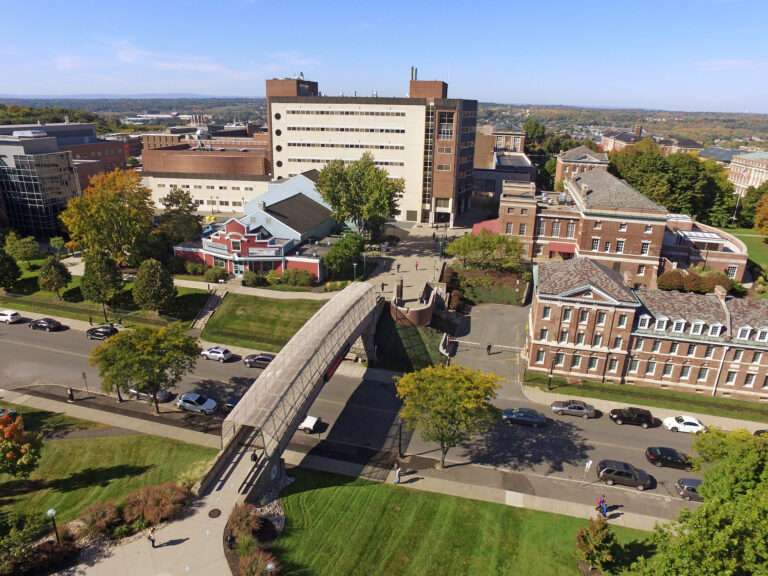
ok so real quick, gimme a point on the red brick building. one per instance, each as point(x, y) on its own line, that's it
point(578, 160)
point(586, 323)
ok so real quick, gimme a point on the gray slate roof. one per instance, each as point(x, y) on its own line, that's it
point(312, 175)
point(299, 213)
point(687, 305)
point(583, 153)
point(558, 278)
point(607, 191)
point(747, 312)
point(719, 154)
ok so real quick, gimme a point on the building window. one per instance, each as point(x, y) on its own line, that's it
point(650, 368)
point(541, 227)
point(235, 245)
point(702, 375)
point(522, 230)
point(679, 326)
point(510, 228)
point(667, 370)
point(685, 371)
point(597, 340)
point(223, 202)
point(601, 318)
point(656, 346)
point(731, 378)
point(583, 316)
point(523, 211)
point(613, 365)
point(737, 354)
point(575, 361)
point(744, 333)
point(709, 352)
point(756, 357)
point(537, 250)
point(633, 365)
point(661, 324)
point(595, 244)
point(445, 126)
point(543, 334)
point(691, 349)
point(443, 167)
point(546, 313)
point(580, 339)
point(607, 246)
point(619, 246)
point(592, 363)
point(639, 344)
point(697, 328)
point(570, 230)
point(762, 335)
point(622, 320)
point(563, 336)
point(714, 330)
point(731, 272)
point(559, 359)
point(617, 342)
point(641, 270)
point(645, 247)
point(673, 347)
point(539, 356)
point(648, 229)
point(555, 228)
point(623, 227)
point(566, 315)
point(749, 381)
point(598, 225)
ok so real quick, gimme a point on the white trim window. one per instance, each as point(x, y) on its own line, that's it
point(667, 371)
point(749, 380)
point(737, 354)
point(679, 326)
point(643, 322)
point(576, 361)
point(762, 334)
point(539, 356)
point(685, 372)
point(702, 375)
point(661, 323)
point(546, 313)
point(650, 368)
point(715, 329)
point(622, 320)
point(613, 365)
point(697, 328)
point(592, 363)
point(744, 332)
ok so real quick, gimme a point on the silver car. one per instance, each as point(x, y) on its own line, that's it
point(197, 403)
point(10, 316)
point(217, 353)
point(574, 408)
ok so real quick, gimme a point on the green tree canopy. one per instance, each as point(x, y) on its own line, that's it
point(344, 253)
point(448, 404)
point(749, 204)
point(487, 250)
point(19, 450)
point(534, 132)
point(101, 280)
point(179, 221)
point(57, 243)
point(761, 216)
point(53, 275)
point(10, 273)
point(360, 192)
point(21, 248)
point(152, 359)
point(111, 215)
point(153, 288)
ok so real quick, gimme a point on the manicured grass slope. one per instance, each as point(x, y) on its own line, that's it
point(756, 247)
point(259, 323)
point(340, 526)
point(406, 348)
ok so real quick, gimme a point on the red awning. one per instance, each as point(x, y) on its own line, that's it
point(562, 247)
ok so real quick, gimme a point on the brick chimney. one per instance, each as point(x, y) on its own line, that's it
point(628, 279)
point(721, 293)
point(638, 130)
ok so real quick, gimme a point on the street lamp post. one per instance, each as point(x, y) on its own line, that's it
point(51, 513)
point(400, 438)
point(354, 266)
point(363, 265)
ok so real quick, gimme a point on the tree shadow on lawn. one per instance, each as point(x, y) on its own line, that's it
point(95, 477)
point(26, 286)
point(74, 294)
point(520, 447)
point(625, 554)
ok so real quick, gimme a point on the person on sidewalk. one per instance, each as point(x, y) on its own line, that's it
point(398, 267)
point(382, 286)
point(120, 322)
point(397, 473)
point(90, 320)
point(151, 535)
point(602, 507)
point(488, 349)
point(417, 266)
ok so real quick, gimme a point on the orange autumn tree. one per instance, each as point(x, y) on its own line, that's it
point(19, 451)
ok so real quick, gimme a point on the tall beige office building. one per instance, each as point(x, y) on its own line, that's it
point(427, 139)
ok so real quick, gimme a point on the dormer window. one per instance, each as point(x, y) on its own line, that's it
point(744, 333)
point(697, 328)
point(762, 334)
point(715, 329)
point(661, 324)
point(643, 322)
point(679, 326)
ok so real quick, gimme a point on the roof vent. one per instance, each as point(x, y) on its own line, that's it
point(262, 205)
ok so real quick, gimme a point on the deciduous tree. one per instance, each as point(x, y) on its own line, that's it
point(761, 216)
point(596, 543)
point(101, 280)
point(21, 248)
point(152, 359)
point(748, 204)
point(58, 244)
point(534, 132)
point(19, 450)
point(10, 273)
point(113, 212)
point(179, 221)
point(344, 253)
point(360, 192)
point(53, 275)
point(487, 250)
point(153, 288)
point(448, 404)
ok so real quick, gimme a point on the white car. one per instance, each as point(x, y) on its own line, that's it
point(196, 403)
point(9, 316)
point(217, 353)
point(684, 423)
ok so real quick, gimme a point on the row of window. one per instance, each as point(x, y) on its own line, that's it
point(200, 202)
point(344, 129)
point(207, 187)
point(598, 225)
point(363, 146)
point(546, 314)
point(697, 328)
point(597, 339)
point(645, 247)
point(709, 351)
point(327, 160)
point(541, 228)
point(347, 112)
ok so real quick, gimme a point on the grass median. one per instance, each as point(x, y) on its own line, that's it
point(680, 401)
point(258, 323)
point(338, 525)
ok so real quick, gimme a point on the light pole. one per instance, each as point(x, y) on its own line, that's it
point(363, 264)
point(400, 437)
point(354, 266)
point(51, 513)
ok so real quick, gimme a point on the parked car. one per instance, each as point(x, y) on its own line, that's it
point(217, 353)
point(525, 416)
point(197, 403)
point(229, 404)
point(615, 472)
point(12, 413)
point(162, 395)
point(258, 360)
point(688, 488)
point(760, 433)
point(684, 423)
point(100, 332)
point(46, 324)
point(636, 416)
point(574, 408)
point(670, 457)
point(10, 316)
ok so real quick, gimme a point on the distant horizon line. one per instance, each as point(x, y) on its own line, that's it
point(189, 95)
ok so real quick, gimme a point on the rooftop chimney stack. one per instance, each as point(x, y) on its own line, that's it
point(638, 130)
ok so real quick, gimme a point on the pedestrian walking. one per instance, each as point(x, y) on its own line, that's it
point(90, 320)
point(417, 266)
point(398, 267)
point(602, 507)
point(433, 235)
point(488, 349)
point(382, 286)
point(120, 322)
point(397, 473)
point(151, 535)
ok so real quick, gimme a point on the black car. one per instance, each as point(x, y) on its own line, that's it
point(660, 456)
point(100, 332)
point(636, 416)
point(615, 472)
point(524, 416)
point(760, 433)
point(258, 360)
point(46, 324)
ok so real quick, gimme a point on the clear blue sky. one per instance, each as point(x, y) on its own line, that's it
point(675, 54)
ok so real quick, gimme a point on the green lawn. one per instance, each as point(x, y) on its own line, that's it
point(682, 401)
point(74, 473)
point(756, 246)
point(27, 296)
point(340, 526)
point(406, 348)
point(258, 323)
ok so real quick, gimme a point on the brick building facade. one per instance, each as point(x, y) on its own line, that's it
point(586, 323)
point(748, 170)
point(578, 160)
